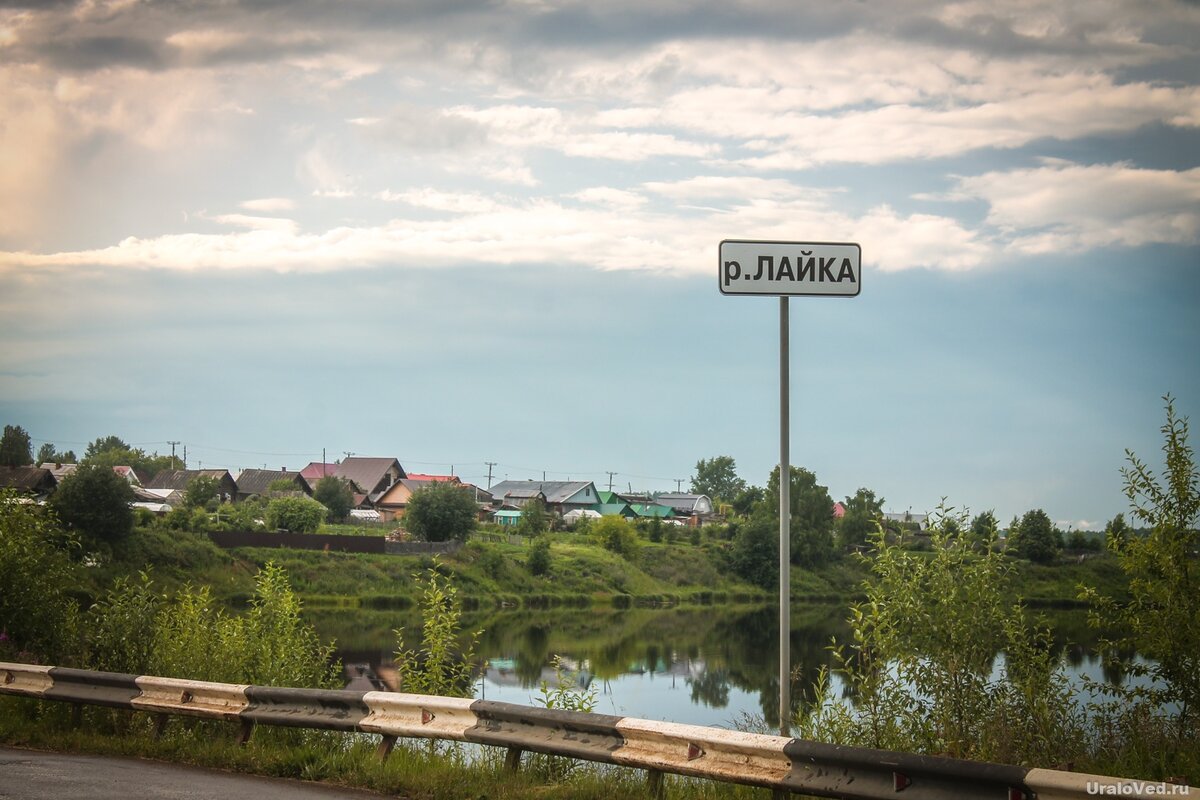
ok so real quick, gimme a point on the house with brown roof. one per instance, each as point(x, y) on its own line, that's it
point(178, 480)
point(257, 482)
point(392, 504)
point(34, 482)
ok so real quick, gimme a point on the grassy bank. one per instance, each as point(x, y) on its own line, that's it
point(494, 574)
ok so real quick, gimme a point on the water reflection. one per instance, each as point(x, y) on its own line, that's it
point(708, 665)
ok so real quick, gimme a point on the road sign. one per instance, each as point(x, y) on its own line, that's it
point(787, 269)
point(795, 269)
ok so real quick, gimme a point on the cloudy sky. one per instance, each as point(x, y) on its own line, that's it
point(461, 232)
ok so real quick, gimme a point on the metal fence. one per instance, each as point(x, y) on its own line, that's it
point(775, 762)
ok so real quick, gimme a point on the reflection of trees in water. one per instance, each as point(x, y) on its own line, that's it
point(711, 688)
point(714, 650)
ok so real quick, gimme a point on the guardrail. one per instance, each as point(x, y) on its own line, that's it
point(776, 762)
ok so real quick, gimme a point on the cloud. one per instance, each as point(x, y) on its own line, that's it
point(269, 204)
point(1062, 206)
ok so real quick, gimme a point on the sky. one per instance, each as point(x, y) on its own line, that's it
point(457, 232)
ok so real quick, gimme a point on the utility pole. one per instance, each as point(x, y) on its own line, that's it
point(185, 456)
point(490, 464)
point(348, 453)
point(678, 484)
point(173, 453)
point(610, 477)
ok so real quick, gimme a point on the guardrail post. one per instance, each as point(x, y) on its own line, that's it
point(76, 715)
point(512, 759)
point(160, 725)
point(654, 784)
point(386, 744)
point(247, 730)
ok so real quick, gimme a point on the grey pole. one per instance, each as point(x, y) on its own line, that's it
point(785, 527)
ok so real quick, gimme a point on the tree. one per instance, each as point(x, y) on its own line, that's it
point(200, 491)
point(1116, 533)
point(984, 527)
point(534, 519)
point(38, 616)
point(95, 501)
point(1159, 621)
point(717, 477)
point(48, 454)
point(105, 444)
point(1035, 538)
point(16, 450)
point(615, 535)
point(746, 499)
point(754, 555)
point(441, 512)
point(539, 556)
point(811, 516)
point(336, 495)
point(296, 514)
point(863, 511)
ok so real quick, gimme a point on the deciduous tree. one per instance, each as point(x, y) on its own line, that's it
point(95, 501)
point(440, 512)
point(336, 495)
point(717, 477)
point(16, 450)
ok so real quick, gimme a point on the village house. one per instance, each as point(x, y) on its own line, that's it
point(257, 483)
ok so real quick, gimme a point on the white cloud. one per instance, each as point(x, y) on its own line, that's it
point(456, 202)
point(269, 204)
point(1061, 206)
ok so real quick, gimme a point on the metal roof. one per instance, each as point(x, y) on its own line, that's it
point(555, 491)
point(258, 481)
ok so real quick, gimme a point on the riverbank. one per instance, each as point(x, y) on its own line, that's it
point(494, 574)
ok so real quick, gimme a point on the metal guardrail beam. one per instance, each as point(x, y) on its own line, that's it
point(775, 762)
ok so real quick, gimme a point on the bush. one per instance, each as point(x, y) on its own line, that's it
point(335, 494)
point(297, 514)
point(38, 618)
point(95, 501)
point(539, 556)
point(441, 666)
point(615, 535)
point(441, 512)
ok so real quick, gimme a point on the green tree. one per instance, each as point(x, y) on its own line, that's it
point(38, 617)
point(48, 454)
point(200, 491)
point(1160, 619)
point(1035, 538)
point(16, 450)
point(1116, 533)
point(717, 477)
point(539, 556)
point(336, 495)
point(112, 451)
point(984, 527)
point(296, 514)
point(811, 516)
point(534, 519)
point(754, 554)
point(105, 444)
point(616, 535)
point(746, 500)
point(441, 512)
point(863, 512)
point(95, 502)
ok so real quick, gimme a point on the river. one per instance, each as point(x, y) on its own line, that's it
point(699, 665)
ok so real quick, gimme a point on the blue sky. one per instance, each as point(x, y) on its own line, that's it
point(471, 232)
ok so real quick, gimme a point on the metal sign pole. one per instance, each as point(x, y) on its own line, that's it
point(785, 528)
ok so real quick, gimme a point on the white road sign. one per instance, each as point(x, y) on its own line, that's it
point(825, 269)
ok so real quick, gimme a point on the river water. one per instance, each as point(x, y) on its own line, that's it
point(700, 665)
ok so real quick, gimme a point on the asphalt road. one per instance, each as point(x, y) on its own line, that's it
point(35, 775)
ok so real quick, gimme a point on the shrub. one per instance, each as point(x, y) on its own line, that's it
point(95, 501)
point(38, 618)
point(616, 535)
point(441, 666)
point(539, 556)
point(298, 514)
point(441, 512)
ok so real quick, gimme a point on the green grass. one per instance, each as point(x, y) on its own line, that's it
point(414, 769)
